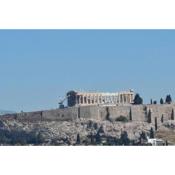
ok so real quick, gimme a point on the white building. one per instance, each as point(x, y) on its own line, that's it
point(99, 98)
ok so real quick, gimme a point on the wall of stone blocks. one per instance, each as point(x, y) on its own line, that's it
point(114, 112)
point(139, 113)
point(60, 114)
point(91, 112)
point(30, 116)
point(159, 110)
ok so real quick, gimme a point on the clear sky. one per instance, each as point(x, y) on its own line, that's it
point(39, 66)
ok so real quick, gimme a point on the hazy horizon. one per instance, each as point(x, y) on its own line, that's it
point(39, 66)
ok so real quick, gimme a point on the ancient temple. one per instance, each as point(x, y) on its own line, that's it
point(75, 98)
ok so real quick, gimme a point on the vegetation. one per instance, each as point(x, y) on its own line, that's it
point(124, 140)
point(108, 114)
point(155, 102)
point(20, 138)
point(138, 100)
point(162, 119)
point(161, 101)
point(152, 133)
point(172, 114)
point(156, 126)
point(121, 119)
point(149, 116)
point(130, 114)
point(78, 139)
point(168, 99)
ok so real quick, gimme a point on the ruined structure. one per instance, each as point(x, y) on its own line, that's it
point(101, 106)
point(97, 98)
point(140, 113)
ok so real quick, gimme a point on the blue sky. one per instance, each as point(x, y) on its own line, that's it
point(39, 66)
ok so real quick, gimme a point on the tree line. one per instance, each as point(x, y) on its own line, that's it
point(138, 100)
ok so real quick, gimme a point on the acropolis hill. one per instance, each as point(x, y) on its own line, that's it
point(99, 106)
point(104, 109)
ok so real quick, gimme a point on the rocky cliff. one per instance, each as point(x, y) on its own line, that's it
point(79, 132)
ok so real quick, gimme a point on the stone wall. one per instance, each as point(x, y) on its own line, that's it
point(139, 113)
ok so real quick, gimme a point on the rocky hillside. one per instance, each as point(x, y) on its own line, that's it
point(80, 132)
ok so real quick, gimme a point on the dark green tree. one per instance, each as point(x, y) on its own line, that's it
point(130, 114)
point(166, 143)
point(138, 100)
point(156, 126)
point(108, 114)
point(155, 102)
point(162, 119)
point(149, 116)
point(172, 114)
point(78, 139)
point(124, 140)
point(168, 99)
point(151, 133)
point(99, 134)
point(161, 101)
point(142, 137)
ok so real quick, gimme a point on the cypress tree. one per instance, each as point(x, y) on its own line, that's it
point(166, 143)
point(161, 101)
point(149, 116)
point(172, 114)
point(162, 118)
point(130, 114)
point(78, 139)
point(156, 127)
point(124, 140)
point(151, 133)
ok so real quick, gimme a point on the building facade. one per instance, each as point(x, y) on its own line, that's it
point(75, 98)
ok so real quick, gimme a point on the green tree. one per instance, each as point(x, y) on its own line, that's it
point(162, 118)
point(124, 140)
point(99, 134)
point(156, 126)
point(138, 100)
point(78, 139)
point(130, 114)
point(108, 114)
point(168, 99)
point(161, 101)
point(151, 133)
point(172, 114)
point(149, 116)
point(155, 102)
point(166, 143)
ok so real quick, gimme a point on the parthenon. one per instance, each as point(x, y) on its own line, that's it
point(98, 98)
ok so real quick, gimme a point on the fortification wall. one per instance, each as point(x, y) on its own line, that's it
point(139, 113)
point(60, 114)
point(91, 112)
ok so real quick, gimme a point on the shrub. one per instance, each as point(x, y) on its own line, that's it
point(121, 119)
